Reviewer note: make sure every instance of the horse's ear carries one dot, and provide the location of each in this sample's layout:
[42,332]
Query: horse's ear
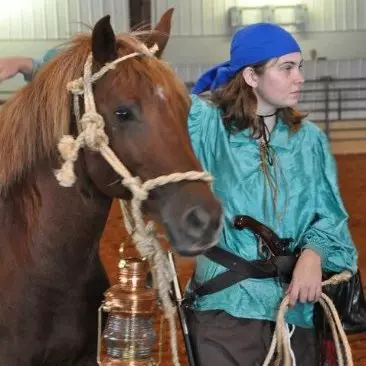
[104,46]
[161,32]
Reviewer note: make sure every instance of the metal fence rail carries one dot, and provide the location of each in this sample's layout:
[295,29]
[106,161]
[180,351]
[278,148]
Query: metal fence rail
[329,99]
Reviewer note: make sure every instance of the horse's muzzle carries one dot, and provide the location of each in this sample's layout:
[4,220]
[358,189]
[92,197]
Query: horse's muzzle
[193,221]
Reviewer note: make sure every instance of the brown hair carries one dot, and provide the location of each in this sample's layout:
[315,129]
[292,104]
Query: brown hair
[238,104]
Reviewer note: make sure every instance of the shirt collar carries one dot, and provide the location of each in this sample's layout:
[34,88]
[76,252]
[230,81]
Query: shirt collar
[280,136]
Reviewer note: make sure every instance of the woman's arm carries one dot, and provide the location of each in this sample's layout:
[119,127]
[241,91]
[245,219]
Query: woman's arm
[329,234]
[327,244]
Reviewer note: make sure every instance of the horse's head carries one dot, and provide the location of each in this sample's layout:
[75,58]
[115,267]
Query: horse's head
[145,108]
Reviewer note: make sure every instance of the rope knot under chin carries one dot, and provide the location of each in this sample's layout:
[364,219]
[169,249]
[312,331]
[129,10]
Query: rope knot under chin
[134,185]
[68,148]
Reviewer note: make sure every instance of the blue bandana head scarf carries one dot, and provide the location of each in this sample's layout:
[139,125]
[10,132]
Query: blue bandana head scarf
[250,45]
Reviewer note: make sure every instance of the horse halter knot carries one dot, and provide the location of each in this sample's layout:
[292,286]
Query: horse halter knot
[92,135]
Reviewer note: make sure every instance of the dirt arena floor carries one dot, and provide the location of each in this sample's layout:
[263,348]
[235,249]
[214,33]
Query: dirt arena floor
[352,179]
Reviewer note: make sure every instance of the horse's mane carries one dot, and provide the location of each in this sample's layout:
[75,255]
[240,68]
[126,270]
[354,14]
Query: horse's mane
[34,119]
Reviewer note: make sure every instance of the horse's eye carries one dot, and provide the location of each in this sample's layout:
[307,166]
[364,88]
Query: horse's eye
[124,114]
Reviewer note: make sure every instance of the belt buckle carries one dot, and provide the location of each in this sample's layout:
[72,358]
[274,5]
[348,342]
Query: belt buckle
[264,252]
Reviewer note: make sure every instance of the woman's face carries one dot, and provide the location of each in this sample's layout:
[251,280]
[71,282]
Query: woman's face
[279,85]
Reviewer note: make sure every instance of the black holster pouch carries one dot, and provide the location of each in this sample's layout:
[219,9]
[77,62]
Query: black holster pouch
[280,263]
[349,300]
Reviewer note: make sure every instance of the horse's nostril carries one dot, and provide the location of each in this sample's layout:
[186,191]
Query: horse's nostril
[195,221]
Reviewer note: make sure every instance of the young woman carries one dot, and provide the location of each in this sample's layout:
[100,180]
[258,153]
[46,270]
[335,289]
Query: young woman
[271,164]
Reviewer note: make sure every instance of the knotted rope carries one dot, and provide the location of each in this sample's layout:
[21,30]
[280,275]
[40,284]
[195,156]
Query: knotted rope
[282,345]
[92,135]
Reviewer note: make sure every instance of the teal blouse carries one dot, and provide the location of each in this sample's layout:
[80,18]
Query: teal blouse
[309,208]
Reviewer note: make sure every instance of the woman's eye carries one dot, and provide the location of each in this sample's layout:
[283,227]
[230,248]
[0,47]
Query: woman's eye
[124,114]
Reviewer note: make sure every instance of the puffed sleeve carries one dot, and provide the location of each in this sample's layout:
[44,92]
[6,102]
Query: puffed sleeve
[204,121]
[328,234]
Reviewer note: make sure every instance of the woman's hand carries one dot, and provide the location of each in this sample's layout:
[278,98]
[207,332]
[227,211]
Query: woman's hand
[306,279]
[10,66]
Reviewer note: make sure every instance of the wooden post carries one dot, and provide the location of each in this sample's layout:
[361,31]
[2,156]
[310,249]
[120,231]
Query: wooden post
[140,13]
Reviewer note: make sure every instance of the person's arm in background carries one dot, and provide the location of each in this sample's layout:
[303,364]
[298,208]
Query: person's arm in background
[11,66]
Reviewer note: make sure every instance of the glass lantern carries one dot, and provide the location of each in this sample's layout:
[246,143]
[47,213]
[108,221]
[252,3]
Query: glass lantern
[128,336]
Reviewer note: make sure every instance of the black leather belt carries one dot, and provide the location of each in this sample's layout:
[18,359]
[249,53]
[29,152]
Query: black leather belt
[239,269]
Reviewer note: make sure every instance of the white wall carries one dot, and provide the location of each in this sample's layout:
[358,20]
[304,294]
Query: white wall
[209,17]
[31,27]
[57,19]
[201,34]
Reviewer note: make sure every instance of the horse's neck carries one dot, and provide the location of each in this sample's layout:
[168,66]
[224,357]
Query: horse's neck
[68,226]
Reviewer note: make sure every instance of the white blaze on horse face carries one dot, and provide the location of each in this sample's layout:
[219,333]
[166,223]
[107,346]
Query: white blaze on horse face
[160,92]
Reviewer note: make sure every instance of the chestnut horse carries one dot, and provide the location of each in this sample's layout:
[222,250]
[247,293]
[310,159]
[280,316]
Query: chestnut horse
[51,277]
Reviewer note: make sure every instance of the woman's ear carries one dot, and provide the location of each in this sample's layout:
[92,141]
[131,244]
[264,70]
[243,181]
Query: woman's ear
[250,77]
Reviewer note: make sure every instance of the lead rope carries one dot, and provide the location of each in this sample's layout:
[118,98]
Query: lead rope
[280,344]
